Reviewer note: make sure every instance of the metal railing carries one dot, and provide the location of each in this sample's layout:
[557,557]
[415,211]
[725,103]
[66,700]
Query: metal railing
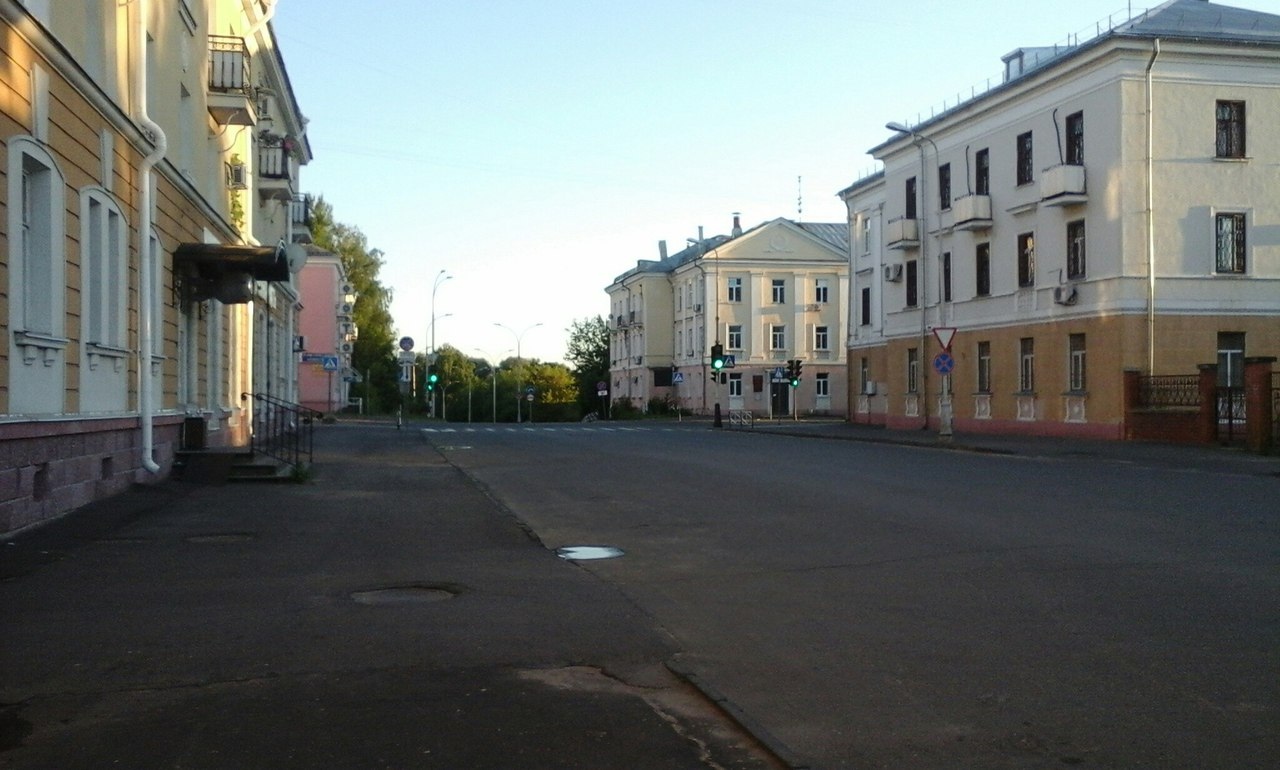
[229,65]
[741,418]
[282,430]
[1170,390]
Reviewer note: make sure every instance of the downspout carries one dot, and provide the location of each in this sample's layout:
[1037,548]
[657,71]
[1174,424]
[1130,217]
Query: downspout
[1151,228]
[146,269]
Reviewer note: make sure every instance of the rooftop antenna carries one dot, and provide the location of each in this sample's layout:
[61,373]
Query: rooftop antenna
[799,199]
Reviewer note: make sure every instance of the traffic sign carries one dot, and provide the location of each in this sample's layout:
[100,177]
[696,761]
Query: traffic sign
[529,392]
[406,343]
[313,358]
[779,375]
[943,363]
[730,361]
[677,377]
[330,363]
[944,335]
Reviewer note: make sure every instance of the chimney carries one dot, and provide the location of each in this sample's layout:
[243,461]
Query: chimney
[737,226]
[662,250]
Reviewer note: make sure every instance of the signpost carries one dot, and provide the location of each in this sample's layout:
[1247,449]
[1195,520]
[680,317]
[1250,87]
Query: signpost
[943,364]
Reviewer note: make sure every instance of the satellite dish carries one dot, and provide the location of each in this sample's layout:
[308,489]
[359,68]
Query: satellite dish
[295,254]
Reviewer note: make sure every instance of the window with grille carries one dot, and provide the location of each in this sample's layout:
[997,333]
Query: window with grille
[982,172]
[1075,249]
[1230,129]
[1230,243]
[1075,139]
[1026,172]
[1026,260]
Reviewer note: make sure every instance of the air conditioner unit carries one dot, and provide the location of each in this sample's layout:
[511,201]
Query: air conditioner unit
[345,308]
[237,176]
[1065,295]
[347,347]
[347,288]
[893,273]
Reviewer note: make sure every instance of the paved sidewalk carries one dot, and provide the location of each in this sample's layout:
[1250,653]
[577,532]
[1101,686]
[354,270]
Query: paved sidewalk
[387,614]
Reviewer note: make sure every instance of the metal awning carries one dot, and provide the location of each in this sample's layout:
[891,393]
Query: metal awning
[262,263]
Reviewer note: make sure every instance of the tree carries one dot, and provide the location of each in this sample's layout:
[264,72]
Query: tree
[374,354]
[588,351]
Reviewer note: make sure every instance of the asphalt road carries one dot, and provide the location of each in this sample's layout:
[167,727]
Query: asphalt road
[867,605]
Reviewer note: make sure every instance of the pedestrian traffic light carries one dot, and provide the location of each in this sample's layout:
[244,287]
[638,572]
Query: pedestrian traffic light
[793,372]
[717,356]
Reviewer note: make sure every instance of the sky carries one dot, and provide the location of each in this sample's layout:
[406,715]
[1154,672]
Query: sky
[534,151]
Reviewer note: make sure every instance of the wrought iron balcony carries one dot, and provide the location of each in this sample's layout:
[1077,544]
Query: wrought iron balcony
[230,96]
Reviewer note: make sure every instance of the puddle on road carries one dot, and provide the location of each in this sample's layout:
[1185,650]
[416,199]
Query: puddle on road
[588,552]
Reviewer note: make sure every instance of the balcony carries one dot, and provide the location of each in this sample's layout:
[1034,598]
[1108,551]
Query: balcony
[1063,185]
[275,168]
[902,233]
[972,212]
[300,215]
[231,101]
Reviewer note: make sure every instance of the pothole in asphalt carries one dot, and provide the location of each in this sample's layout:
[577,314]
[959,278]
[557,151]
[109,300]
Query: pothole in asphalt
[588,552]
[407,594]
[218,538]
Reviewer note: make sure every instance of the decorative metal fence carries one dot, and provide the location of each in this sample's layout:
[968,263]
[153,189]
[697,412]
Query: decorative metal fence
[1170,390]
[282,430]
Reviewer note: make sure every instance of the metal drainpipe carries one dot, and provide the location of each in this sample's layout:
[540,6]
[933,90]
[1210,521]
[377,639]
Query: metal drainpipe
[1151,228]
[146,269]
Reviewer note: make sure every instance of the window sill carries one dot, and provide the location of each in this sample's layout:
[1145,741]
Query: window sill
[35,345]
[1230,159]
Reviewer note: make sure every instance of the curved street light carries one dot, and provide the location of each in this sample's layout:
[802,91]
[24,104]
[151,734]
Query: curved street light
[519,337]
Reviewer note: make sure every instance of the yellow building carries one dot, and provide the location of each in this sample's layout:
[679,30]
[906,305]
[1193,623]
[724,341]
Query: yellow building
[1109,206]
[150,177]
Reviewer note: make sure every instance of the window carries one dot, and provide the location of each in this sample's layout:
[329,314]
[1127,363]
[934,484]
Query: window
[866,234]
[944,186]
[1230,129]
[982,172]
[982,267]
[1026,260]
[779,291]
[1075,139]
[103,271]
[735,290]
[820,288]
[984,367]
[778,337]
[1025,173]
[820,338]
[822,384]
[913,297]
[1075,249]
[913,370]
[910,199]
[864,375]
[1076,363]
[735,336]
[946,276]
[1026,365]
[735,385]
[1229,243]
[865,306]
[34,246]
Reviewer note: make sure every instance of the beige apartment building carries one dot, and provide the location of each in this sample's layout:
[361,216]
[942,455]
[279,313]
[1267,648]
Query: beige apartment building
[1111,205]
[772,294]
[151,152]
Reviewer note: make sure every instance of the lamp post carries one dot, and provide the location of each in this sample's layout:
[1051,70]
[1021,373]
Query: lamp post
[493,372]
[944,406]
[441,277]
[519,337]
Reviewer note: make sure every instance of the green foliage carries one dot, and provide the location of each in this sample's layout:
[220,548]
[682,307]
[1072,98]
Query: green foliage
[374,355]
[588,351]
[625,409]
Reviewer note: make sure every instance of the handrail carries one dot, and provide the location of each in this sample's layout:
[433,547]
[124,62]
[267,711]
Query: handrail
[283,430]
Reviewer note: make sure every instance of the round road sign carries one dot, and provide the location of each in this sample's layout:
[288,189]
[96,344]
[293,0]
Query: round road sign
[943,363]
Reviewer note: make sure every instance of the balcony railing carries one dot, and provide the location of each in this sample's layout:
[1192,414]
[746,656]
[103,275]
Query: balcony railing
[300,211]
[903,233]
[972,212]
[230,82]
[1062,185]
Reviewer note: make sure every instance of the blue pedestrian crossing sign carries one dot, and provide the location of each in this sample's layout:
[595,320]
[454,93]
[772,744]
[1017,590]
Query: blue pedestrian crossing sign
[943,363]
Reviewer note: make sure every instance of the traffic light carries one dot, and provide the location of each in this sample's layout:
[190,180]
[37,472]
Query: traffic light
[432,377]
[717,357]
[793,372]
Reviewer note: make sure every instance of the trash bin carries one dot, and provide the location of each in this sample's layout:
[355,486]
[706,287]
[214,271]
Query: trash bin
[193,433]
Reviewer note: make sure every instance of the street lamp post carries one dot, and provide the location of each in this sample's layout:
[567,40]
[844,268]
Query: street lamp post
[944,405]
[441,277]
[519,338]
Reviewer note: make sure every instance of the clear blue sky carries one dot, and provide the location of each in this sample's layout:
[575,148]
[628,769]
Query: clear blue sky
[536,150]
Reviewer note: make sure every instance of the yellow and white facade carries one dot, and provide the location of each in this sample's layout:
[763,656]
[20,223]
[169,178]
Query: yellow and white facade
[1110,206]
[142,252]
[769,295]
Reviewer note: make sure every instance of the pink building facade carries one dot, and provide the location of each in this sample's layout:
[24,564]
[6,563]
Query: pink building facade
[326,333]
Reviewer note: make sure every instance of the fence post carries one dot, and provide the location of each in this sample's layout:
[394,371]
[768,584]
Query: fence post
[1132,396]
[1207,424]
[1257,403]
